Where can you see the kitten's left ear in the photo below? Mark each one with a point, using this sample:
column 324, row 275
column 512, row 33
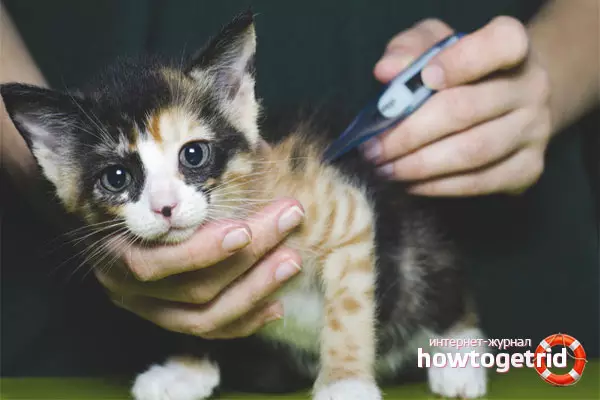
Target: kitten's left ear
column 44, row 117
column 227, row 64
column 47, row 120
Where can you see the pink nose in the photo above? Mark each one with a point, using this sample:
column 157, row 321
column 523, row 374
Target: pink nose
column 165, row 211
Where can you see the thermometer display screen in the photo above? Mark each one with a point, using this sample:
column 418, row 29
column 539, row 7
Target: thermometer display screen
column 415, row 83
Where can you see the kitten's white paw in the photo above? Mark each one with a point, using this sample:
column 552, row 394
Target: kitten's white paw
column 466, row 383
column 178, row 379
column 349, row 389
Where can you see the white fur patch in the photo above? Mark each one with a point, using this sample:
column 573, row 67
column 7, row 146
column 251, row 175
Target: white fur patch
column 469, row 382
column 303, row 318
column 177, row 381
column 464, row 383
column 349, row 389
column 163, row 187
column 301, row 325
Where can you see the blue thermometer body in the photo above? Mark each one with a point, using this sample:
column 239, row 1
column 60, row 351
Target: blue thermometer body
column 400, row 98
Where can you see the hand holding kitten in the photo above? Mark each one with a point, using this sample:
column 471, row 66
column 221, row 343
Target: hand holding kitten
column 488, row 130
column 213, row 285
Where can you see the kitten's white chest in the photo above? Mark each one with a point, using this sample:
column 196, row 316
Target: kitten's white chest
column 303, row 315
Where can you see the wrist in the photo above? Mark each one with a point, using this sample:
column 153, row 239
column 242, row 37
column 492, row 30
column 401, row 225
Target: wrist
column 564, row 42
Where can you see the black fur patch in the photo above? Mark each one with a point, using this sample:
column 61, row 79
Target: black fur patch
column 93, row 167
column 227, row 143
column 128, row 92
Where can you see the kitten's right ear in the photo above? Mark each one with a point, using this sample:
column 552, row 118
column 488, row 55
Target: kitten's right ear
column 226, row 65
column 46, row 120
column 228, row 59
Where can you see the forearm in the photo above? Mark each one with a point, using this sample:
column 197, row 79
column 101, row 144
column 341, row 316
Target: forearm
column 564, row 38
column 15, row 65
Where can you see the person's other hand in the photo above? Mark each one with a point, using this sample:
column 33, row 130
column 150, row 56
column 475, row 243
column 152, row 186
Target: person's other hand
column 215, row 284
column 486, row 131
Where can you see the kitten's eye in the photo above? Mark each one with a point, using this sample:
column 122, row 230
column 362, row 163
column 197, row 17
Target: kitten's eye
column 115, row 178
column 195, row 154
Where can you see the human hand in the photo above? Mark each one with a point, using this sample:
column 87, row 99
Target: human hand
column 213, row 285
column 487, row 131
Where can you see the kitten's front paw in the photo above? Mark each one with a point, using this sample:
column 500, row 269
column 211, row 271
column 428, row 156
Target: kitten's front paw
column 349, row 389
column 178, row 379
column 465, row 383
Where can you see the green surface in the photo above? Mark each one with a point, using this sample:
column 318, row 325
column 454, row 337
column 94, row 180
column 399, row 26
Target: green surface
column 516, row 384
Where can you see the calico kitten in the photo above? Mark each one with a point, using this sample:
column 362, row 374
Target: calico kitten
column 164, row 149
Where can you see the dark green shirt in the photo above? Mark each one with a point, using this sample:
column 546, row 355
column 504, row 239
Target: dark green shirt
column 533, row 259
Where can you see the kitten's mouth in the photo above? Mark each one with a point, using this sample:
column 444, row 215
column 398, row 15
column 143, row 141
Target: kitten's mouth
column 180, row 228
column 177, row 234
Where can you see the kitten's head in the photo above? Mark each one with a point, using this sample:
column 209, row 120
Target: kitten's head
column 148, row 143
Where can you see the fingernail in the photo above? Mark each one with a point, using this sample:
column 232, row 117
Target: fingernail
column 433, row 76
column 236, row 239
column 273, row 318
column 286, row 270
column 386, row 170
column 394, row 60
column 371, row 149
column 290, row 219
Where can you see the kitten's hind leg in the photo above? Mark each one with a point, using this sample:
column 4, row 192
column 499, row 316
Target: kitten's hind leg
column 464, row 381
column 348, row 333
column 180, row 378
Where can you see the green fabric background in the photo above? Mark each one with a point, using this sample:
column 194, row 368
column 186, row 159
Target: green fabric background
column 533, row 259
column 517, row 384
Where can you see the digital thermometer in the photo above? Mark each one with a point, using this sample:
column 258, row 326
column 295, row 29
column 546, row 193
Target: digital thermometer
column 401, row 97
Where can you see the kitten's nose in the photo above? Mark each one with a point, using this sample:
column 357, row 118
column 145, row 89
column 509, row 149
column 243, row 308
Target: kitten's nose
column 165, row 211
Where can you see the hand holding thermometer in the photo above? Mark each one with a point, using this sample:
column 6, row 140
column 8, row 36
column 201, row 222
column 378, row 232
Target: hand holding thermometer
column 402, row 96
